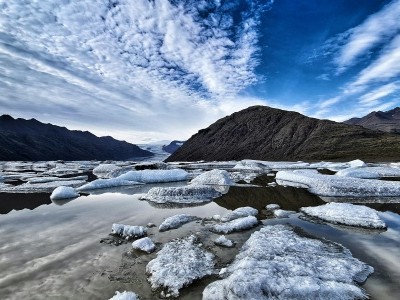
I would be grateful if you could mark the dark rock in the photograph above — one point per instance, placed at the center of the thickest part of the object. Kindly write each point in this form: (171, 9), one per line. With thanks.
(22, 139)
(387, 121)
(265, 133)
(173, 146)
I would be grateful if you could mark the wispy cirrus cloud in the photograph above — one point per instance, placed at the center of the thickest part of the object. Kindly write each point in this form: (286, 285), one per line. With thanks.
(123, 63)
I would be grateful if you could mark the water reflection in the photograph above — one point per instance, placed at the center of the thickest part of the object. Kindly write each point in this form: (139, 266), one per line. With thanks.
(9, 202)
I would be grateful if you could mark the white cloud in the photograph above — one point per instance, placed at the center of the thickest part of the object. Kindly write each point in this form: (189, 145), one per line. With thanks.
(375, 95)
(140, 69)
(376, 29)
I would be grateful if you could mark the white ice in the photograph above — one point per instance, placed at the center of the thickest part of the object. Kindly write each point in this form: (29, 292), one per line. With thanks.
(128, 231)
(125, 296)
(144, 244)
(106, 183)
(213, 177)
(176, 221)
(155, 176)
(178, 264)
(46, 187)
(331, 185)
(223, 241)
(277, 263)
(64, 192)
(235, 225)
(184, 194)
(356, 163)
(50, 179)
(369, 172)
(239, 213)
(346, 214)
(102, 170)
(272, 207)
(281, 213)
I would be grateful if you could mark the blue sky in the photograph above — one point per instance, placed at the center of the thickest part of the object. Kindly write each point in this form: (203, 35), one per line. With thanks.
(154, 70)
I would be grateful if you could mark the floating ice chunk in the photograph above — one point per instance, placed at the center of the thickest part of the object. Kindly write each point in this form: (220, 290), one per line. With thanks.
(280, 213)
(106, 183)
(369, 172)
(178, 264)
(277, 263)
(176, 222)
(272, 206)
(213, 177)
(239, 213)
(125, 296)
(246, 177)
(50, 179)
(235, 225)
(144, 244)
(102, 170)
(64, 192)
(223, 241)
(127, 231)
(155, 176)
(346, 214)
(250, 165)
(182, 194)
(331, 185)
(356, 163)
(46, 187)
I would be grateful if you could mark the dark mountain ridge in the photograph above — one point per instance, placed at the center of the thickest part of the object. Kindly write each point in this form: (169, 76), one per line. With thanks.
(387, 121)
(266, 133)
(22, 139)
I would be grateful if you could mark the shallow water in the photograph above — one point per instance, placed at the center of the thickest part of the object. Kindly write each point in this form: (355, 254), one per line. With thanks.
(53, 251)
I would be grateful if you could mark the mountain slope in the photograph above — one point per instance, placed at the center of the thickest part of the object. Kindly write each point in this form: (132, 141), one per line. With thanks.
(173, 146)
(265, 133)
(388, 121)
(22, 139)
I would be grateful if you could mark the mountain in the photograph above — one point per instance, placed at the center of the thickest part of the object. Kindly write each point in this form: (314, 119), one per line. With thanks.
(265, 133)
(388, 121)
(173, 146)
(22, 139)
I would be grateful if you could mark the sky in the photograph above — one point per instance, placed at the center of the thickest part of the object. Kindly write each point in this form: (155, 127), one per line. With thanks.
(143, 71)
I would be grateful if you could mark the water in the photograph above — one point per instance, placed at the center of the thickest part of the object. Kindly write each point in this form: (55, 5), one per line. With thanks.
(53, 251)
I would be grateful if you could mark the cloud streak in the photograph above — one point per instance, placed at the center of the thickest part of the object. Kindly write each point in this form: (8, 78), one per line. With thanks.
(120, 64)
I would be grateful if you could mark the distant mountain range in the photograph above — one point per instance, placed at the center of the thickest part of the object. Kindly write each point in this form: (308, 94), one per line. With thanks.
(387, 121)
(173, 146)
(265, 133)
(22, 139)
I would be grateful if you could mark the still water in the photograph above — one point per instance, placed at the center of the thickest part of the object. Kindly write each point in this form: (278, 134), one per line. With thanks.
(54, 250)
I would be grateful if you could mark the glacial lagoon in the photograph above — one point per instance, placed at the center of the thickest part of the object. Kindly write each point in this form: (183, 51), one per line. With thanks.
(62, 249)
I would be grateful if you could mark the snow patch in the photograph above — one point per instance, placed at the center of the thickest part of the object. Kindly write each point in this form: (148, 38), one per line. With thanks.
(280, 213)
(125, 296)
(224, 242)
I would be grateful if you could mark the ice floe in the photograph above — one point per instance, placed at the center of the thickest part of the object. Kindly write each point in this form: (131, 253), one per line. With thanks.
(125, 296)
(331, 185)
(277, 263)
(155, 176)
(178, 264)
(235, 225)
(64, 192)
(239, 213)
(183, 194)
(176, 222)
(281, 213)
(128, 231)
(346, 214)
(144, 244)
(272, 206)
(224, 242)
(106, 183)
(46, 187)
(102, 170)
(213, 177)
(50, 179)
(356, 163)
(369, 172)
